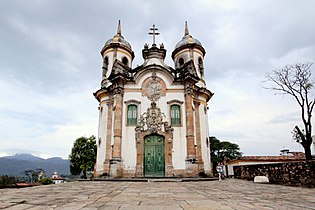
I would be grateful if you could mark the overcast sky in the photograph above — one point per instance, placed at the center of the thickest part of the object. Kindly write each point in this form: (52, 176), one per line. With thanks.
(50, 65)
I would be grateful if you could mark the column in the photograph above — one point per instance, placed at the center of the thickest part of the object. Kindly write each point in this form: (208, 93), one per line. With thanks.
(191, 152)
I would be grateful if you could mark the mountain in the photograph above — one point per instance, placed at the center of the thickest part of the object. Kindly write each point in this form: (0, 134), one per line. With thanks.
(27, 157)
(17, 164)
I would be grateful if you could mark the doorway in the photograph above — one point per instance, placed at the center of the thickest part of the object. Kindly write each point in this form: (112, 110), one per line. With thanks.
(154, 156)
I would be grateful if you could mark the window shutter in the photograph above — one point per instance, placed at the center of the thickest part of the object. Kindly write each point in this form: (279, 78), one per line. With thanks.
(132, 115)
(175, 115)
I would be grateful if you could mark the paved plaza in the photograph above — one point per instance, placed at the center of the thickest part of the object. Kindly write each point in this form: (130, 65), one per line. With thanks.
(226, 194)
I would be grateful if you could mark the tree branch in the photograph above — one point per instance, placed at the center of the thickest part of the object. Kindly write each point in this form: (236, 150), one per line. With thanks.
(295, 80)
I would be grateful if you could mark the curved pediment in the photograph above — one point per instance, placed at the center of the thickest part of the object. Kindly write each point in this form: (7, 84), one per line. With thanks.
(147, 71)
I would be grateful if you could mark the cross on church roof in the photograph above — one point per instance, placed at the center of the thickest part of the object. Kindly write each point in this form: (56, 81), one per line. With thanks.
(154, 33)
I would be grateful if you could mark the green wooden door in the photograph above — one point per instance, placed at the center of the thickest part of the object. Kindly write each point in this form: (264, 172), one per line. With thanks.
(154, 158)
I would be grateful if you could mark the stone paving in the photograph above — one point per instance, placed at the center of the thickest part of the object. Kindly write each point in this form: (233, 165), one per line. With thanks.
(225, 195)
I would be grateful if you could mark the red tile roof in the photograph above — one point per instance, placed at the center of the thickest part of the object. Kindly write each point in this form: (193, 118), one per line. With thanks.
(292, 156)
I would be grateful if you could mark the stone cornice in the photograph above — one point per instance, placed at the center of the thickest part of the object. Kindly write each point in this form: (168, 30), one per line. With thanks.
(175, 101)
(206, 93)
(132, 101)
(100, 93)
(117, 45)
(192, 45)
(153, 68)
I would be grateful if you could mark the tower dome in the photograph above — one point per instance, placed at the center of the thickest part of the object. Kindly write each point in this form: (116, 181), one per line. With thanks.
(116, 49)
(187, 41)
(189, 49)
(118, 39)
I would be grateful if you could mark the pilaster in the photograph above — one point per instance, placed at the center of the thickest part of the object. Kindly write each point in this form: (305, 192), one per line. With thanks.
(118, 123)
(198, 137)
(108, 137)
(191, 151)
(116, 167)
(191, 160)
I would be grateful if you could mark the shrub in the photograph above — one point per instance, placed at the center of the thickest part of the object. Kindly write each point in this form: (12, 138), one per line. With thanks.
(45, 181)
(7, 180)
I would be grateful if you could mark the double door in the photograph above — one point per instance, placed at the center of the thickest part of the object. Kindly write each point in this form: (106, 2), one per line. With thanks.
(154, 156)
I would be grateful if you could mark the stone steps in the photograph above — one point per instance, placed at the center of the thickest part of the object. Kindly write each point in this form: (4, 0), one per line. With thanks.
(155, 179)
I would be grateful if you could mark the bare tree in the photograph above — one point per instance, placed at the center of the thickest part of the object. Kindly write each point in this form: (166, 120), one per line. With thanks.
(295, 80)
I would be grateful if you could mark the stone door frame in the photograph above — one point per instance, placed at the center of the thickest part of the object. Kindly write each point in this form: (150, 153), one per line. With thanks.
(168, 143)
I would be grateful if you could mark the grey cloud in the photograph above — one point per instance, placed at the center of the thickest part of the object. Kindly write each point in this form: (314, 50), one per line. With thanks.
(293, 117)
(53, 46)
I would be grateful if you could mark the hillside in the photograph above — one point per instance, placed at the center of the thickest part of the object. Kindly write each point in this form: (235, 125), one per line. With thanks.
(17, 164)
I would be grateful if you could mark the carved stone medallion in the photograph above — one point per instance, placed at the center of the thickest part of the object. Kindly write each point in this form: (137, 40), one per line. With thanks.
(154, 88)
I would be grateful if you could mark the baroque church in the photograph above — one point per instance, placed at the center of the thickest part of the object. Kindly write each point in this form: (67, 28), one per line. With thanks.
(153, 118)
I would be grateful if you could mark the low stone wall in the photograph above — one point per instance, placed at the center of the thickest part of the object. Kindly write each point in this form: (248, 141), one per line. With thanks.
(290, 173)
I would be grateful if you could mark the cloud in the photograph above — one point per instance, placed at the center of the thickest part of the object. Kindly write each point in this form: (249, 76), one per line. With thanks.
(301, 55)
(50, 64)
(32, 118)
(284, 118)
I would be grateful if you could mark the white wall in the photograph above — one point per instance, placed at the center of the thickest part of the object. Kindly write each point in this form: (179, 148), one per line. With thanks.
(204, 134)
(101, 149)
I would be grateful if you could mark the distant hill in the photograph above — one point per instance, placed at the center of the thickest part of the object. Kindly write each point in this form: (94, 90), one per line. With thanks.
(17, 164)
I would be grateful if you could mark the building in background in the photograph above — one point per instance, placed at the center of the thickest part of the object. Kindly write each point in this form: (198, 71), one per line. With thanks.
(57, 179)
(285, 156)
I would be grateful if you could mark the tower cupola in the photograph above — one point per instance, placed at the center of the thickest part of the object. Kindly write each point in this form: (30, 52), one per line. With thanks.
(117, 39)
(189, 49)
(187, 40)
(116, 48)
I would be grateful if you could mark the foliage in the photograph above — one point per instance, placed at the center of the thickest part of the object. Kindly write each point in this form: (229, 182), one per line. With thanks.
(222, 151)
(83, 156)
(7, 181)
(297, 134)
(295, 80)
(45, 181)
(32, 176)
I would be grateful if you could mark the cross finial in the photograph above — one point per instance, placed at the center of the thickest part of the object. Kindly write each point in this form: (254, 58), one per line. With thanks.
(154, 33)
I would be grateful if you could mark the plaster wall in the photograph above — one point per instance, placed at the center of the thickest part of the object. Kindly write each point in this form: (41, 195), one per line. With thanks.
(101, 148)
(204, 134)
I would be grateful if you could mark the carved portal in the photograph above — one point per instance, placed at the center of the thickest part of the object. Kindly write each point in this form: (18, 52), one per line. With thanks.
(153, 122)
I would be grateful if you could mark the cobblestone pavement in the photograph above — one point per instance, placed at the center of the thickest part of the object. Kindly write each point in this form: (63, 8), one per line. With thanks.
(226, 194)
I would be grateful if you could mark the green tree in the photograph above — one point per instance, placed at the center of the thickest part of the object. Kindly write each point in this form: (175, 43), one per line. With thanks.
(83, 156)
(295, 80)
(31, 176)
(6, 180)
(45, 181)
(222, 151)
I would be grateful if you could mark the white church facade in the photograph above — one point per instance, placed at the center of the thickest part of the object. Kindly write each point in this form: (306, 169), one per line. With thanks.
(153, 118)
